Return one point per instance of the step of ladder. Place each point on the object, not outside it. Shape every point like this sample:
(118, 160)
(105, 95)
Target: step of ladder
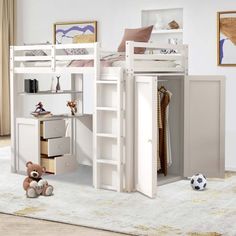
(106, 82)
(106, 108)
(106, 135)
(104, 168)
(106, 161)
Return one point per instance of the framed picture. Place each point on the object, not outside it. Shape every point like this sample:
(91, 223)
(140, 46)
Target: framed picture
(75, 32)
(226, 38)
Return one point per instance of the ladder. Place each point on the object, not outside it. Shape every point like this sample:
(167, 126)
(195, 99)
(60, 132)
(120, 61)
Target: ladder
(108, 132)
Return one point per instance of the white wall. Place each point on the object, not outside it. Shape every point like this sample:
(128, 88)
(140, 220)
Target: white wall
(35, 20)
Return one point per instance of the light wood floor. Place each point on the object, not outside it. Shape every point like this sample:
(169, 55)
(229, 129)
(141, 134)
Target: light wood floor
(5, 141)
(20, 226)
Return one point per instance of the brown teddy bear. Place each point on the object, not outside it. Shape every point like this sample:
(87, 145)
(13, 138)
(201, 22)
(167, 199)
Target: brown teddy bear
(34, 185)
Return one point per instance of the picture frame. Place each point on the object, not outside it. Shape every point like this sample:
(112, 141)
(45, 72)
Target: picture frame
(226, 38)
(75, 32)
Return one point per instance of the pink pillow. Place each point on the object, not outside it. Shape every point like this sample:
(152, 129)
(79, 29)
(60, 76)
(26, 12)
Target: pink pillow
(138, 35)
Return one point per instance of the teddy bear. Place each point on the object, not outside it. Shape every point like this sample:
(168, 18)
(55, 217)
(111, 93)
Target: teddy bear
(34, 185)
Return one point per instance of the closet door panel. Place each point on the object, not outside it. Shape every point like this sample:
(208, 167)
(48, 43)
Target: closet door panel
(146, 135)
(204, 147)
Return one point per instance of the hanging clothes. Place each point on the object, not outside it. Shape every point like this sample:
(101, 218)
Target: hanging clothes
(164, 159)
(169, 156)
(159, 126)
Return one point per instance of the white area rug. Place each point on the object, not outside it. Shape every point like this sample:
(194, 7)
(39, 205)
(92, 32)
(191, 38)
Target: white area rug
(178, 210)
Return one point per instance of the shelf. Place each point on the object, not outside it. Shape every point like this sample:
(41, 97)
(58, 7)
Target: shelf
(105, 161)
(48, 92)
(106, 81)
(170, 31)
(105, 135)
(106, 108)
(53, 117)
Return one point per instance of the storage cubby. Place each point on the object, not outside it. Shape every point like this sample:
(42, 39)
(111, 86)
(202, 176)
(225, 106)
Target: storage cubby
(160, 18)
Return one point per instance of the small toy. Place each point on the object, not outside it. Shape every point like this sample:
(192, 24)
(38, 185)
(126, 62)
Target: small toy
(73, 107)
(34, 185)
(40, 111)
(198, 182)
(39, 108)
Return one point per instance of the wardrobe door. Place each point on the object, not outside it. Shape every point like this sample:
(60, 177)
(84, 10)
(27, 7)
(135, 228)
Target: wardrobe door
(204, 126)
(145, 161)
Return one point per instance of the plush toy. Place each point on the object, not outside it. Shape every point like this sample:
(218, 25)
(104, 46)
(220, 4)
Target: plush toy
(34, 185)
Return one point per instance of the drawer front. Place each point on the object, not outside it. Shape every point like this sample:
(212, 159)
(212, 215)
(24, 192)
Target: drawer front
(60, 165)
(49, 164)
(56, 146)
(53, 129)
(65, 164)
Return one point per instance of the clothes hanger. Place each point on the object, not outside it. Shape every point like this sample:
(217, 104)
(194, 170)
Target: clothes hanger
(162, 89)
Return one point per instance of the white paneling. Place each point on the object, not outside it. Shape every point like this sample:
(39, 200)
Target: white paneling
(204, 126)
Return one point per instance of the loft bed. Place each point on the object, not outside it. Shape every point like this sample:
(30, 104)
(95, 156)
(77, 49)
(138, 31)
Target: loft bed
(110, 71)
(55, 60)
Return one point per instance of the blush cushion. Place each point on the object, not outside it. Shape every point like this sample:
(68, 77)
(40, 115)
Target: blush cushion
(137, 35)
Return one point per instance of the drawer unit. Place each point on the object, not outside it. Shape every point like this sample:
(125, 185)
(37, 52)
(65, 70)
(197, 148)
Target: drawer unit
(55, 146)
(52, 129)
(59, 165)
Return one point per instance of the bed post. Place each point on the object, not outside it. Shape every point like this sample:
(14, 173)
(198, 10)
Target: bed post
(13, 107)
(97, 72)
(129, 117)
(53, 59)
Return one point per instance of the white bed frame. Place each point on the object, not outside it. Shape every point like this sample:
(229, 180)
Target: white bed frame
(124, 78)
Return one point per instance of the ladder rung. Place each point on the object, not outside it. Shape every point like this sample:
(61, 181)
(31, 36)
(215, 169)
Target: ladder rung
(106, 108)
(106, 81)
(105, 135)
(106, 161)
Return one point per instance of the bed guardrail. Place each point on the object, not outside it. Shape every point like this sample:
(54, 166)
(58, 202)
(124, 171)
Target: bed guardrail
(53, 54)
(156, 52)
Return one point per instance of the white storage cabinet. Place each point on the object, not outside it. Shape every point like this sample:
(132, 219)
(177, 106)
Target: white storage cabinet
(197, 129)
(44, 142)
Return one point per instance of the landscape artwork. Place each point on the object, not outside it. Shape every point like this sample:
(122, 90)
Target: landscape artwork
(75, 32)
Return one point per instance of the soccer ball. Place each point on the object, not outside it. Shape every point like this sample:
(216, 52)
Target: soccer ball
(198, 182)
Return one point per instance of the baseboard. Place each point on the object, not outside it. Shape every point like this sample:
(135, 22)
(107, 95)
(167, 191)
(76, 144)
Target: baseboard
(231, 168)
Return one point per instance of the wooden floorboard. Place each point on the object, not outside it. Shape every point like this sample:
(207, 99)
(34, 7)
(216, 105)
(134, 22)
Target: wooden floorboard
(5, 141)
(21, 226)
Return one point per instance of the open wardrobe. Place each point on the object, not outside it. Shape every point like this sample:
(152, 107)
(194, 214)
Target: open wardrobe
(179, 129)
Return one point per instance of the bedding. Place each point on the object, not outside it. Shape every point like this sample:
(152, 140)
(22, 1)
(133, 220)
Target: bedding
(37, 52)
